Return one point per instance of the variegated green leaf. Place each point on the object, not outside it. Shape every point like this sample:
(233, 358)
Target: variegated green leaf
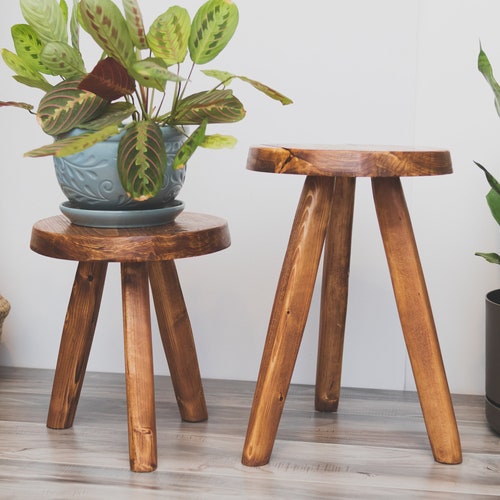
(226, 78)
(223, 76)
(66, 106)
(169, 34)
(29, 47)
(46, 18)
(273, 94)
(73, 144)
(189, 147)
(218, 141)
(147, 81)
(215, 106)
(135, 23)
(62, 59)
(213, 27)
(23, 71)
(153, 72)
(114, 114)
(74, 26)
(142, 160)
(64, 9)
(37, 84)
(105, 23)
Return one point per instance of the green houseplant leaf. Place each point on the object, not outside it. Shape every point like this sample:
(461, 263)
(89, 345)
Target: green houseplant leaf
(169, 34)
(226, 78)
(214, 106)
(189, 147)
(47, 18)
(142, 160)
(66, 106)
(135, 23)
(62, 59)
(25, 74)
(493, 196)
(493, 200)
(114, 114)
(29, 47)
(218, 141)
(493, 258)
(495, 185)
(105, 23)
(153, 72)
(486, 70)
(64, 9)
(74, 26)
(213, 27)
(74, 144)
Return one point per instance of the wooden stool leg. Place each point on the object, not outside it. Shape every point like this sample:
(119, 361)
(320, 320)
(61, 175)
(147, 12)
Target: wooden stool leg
(336, 262)
(178, 341)
(416, 319)
(76, 341)
(288, 318)
(139, 367)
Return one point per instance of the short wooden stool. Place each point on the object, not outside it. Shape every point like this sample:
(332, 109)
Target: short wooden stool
(146, 256)
(324, 218)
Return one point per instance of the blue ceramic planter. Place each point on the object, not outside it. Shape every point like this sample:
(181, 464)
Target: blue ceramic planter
(90, 181)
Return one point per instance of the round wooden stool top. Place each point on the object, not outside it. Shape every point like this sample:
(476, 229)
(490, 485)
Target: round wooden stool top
(349, 161)
(188, 236)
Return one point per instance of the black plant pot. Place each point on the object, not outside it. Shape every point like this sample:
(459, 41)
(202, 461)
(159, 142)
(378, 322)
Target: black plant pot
(493, 359)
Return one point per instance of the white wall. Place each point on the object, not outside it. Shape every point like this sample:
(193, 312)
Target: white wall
(359, 71)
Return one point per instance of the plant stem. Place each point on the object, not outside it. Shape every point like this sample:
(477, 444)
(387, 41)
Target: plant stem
(140, 97)
(144, 101)
(160, 105)
(183, 91)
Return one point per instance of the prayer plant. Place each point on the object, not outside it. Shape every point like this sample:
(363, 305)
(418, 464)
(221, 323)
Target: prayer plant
(493, 196)
(137, 85)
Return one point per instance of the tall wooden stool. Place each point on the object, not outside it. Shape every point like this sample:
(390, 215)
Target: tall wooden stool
(324, 218)
(146, 256)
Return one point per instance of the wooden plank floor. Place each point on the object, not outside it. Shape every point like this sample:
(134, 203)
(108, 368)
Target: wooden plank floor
(374, 447)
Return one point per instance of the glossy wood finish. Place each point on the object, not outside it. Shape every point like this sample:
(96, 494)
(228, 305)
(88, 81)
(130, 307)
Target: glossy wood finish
(335, 284)
(139, 373)
(325, 168)
(189, 235)
(288, 318)
(416, 319)
(349, 161)
(374, 447)
(147, 256)
(76, 341)
(178, 341)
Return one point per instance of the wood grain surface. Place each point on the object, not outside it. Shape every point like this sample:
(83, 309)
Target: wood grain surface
(349, 161)
(188, 236)
(326, 208)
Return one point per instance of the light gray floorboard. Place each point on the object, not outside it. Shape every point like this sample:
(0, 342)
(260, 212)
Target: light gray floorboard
(374, 447)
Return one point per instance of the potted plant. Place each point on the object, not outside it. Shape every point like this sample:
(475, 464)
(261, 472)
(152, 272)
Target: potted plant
(135, 98)
(493, 297)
